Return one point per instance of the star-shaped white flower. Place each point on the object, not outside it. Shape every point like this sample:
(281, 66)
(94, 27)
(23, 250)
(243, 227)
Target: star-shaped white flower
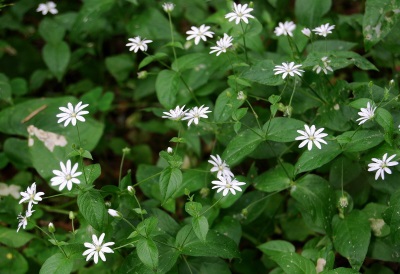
(97, 248)
(311, 136)
(381, 166)
(199, 33)
(47, 7)
(325, 66)
(71, 114)
(175, 114)
(366, 114)
(220, 166)
(222, 45)
(286, 28)
(23, 220)
(137, 43)
(324, 30)
(306, 32)
(227, 184)
(240, 12)
(288, 68)
(31, 196)
(195, 114)
(66, 176)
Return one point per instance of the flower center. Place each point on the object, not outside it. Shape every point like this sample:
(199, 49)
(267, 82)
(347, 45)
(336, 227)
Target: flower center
(73, 114)
(68, 177)
(228, 186)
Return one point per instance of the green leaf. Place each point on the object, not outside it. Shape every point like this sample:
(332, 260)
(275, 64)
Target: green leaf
(91, 206)
(225, 105)
(204, 265)
(147, 227)
(16, 265)
(190, 61)
(19, 86)
(58, 263)
(120, 66)
(379, 18)
(57, 56)
(317, 201)
(147, 252)
(167, 86)
(200, 227)
(149, 59)
(216, 244)
(10, 237)
(275, 179)
(193, 208)
(272, 247)
(354, 141)
(262, 72)
(242, 145)
(340, 270)
(170, 180)
(310, 12)
(51, 30)
(392, 218)
(315, 158)
(281, 129)
(361, 103)
(293, 263)
(385, 120)
(5, 90)
(351, 237)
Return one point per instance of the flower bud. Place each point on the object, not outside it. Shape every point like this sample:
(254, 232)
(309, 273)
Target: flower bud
(142, 74)
(168, 7)
(114, 213)
(241, 96)
(71, 215)
(131, 190)
(204, 192)
(107, 203)
(126, 150)
(343, 202)
(170, 150)
(306, 32)
(52, 229)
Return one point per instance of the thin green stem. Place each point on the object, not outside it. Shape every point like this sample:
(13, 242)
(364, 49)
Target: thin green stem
(140, 207)
(184, 258)
(80, 155)
(148, 178)
(291, 98)
(254, 113)
(244, 41)
(212, 205)
(54, 238)
(55, 210)
(129, 223)
(172, 38)
(120, 169)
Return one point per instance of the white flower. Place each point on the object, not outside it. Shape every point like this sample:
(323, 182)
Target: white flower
(137, 43)
(306, 32)
(325, 66)
(241, 96)
(51, 228)
(23, 220)
(381, 166)
(175, 114)
(220, 166)
(114, 213)
(324, 30)
(227, 184)
(170, 150)
(366, 114)
(288, 68)
(240, 12)
(47, 7)
(285, 28)
(96, 248)
(195, 114)
(222, 44)
(168, 7)
(199, 33)
(31, 196)
(12, 190)
(66, 177)
(311, 136)
(71, 114)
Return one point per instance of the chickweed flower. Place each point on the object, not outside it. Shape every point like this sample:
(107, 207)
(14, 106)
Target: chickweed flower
(285, 29)
(366, 114)
(47, 7)
(195, 114)
(31, 196)
(311, 136)
(306, 32)
(175, 114)
(97, 248)
(23, 220)
(324, 30)
(170, 150)
(382, 166)
(114, 213)
(325, 66)
(227, 184)
(240, 12)
(71, 114)
(137, 43)
(168, 7)
(199, 33)
(288, 68)
(222, 45)
(66, 176)
(220, 166)
(12, 190)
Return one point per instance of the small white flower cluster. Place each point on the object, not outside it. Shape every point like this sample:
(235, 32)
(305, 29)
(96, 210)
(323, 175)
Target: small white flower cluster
(226, 181)
(32, 197)
(193, 115)
(49, 7)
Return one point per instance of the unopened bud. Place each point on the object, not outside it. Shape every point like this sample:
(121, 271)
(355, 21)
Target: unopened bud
(376, 226)
(71, 215)
(107, 203)
(114, 213)
(241, 96)
(52, 229)
(126, 150)
(170, 150)
(168, 7)
(321, 262)
(204, 192)
(131, 190)
(391, 83)
(306, 32)
(142, 74)
(343, 202)
(245, 212)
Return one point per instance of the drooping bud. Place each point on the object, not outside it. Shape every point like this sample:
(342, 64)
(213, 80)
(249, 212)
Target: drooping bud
(114, 213)
(52, 229)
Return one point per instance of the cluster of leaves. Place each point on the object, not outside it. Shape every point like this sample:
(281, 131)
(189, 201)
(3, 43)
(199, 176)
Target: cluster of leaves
(300, 211)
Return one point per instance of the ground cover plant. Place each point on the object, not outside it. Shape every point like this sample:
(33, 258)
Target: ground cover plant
(199, 136)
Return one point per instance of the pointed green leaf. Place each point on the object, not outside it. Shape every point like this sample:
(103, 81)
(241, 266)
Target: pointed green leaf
(262, 72)
(272, 247)
(167, 85)
(170, 180)
(91, 206)
(275, 179)
(58, 263)
(310, 12)
(392, 218)
(56, 56)
(293, 263)
(354, 141)
(200, 227)
(147, 252)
